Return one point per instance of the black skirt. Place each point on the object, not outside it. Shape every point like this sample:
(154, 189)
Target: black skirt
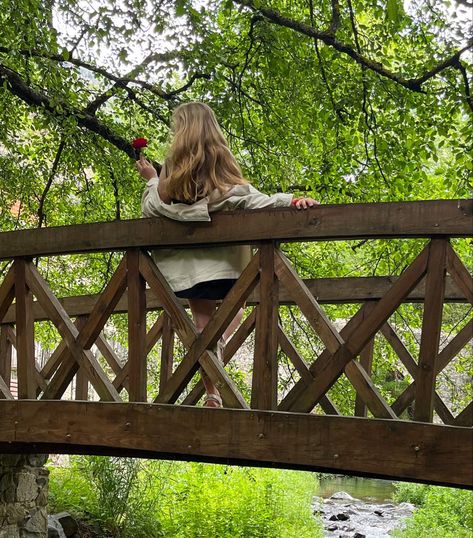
(212, 289)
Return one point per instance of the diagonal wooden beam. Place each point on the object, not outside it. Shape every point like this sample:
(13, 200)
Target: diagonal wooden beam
(367, 391)
(465, 418)
(5, 355)
(431, 327)
(459, 273)
(298, 389)
(407, 360)
(7, 292)
(5, 393)
(455, 345)
(198, 346)
(330, 367)
(231, 347)
(167, 351)
(305, 300)
(287, 347)
(69, 332)
(366, 360)
(67, 365)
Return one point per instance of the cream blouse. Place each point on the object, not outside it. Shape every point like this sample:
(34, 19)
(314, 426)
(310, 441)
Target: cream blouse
(183, 268)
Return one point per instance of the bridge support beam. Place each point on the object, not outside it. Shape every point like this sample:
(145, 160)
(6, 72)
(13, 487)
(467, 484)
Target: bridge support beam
(366, 447)
(23, 496)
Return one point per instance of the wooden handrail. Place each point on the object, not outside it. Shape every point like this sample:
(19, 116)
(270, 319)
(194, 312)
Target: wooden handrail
(437, 218)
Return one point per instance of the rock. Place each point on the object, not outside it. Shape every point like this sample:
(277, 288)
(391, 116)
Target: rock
(342, 496)
(333, 518)
(342, 517)
(55, 529)
(359, 535)
(378, 513)
(68, 523)
(332, 528)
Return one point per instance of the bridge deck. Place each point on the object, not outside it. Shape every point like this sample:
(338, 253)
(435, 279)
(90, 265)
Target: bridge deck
(262, 424)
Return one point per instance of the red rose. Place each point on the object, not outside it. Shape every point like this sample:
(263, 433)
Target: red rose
(139, 143)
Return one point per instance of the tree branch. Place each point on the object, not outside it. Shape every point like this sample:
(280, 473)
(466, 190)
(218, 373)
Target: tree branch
(17, 86)
(41, 214)
(413, 84)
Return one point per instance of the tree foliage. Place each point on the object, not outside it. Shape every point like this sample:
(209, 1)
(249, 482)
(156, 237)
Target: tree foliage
(348, 99)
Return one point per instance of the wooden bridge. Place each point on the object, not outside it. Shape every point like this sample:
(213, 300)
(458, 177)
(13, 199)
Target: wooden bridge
(110, 408)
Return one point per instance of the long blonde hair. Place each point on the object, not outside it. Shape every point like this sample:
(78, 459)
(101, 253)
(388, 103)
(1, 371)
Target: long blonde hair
(199, 159)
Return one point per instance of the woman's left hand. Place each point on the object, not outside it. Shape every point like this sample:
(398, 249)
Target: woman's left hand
(145, 168)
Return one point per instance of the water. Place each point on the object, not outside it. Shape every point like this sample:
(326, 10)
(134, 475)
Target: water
(369, 489)
(361, 507)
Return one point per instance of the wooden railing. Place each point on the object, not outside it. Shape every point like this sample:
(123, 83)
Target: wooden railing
(137, 286)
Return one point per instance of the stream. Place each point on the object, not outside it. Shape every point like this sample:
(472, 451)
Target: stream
(353, 507)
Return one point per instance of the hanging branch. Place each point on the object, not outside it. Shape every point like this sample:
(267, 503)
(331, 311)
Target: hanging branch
(17, 86)
(41, 214)
(328, 37)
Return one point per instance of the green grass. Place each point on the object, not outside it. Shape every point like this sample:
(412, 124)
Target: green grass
(149, 499)
(442, 512)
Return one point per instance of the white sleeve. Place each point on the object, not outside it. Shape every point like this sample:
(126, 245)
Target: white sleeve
(254, 199)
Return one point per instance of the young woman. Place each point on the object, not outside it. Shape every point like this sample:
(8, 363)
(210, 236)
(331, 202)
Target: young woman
(201, 176)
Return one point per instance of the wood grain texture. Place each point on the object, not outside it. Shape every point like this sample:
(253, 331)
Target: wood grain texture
(137, 373)
(264, 385)
(372, 220)
(431, 327)
(417, 451)
(24, 333)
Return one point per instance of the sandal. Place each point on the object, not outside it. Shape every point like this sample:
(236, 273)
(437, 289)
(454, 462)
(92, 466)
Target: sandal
(213, 399)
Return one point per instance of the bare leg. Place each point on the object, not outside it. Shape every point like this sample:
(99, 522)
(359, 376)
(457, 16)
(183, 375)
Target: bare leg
(202, 310)
(233, 325)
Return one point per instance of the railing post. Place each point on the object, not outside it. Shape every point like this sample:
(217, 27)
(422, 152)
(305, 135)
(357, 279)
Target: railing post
(136, 328)
(366, 360)
(24, 333)
(431, 326)
(265, 367)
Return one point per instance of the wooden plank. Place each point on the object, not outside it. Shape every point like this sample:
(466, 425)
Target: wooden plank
(137, 374)
(306, 302)
(287, 347)
(167, 351)
(84, 358)
(330, 367)
(24, 333)
(460, 274)
(431, 327)
(352, 221)
(325, 290)
(465, 418)
(7, 292)
(264, 393)
(369, 447)
(366, 361)
(199, 345)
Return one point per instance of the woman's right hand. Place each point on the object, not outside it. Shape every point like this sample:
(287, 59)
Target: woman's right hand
(146, 170)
